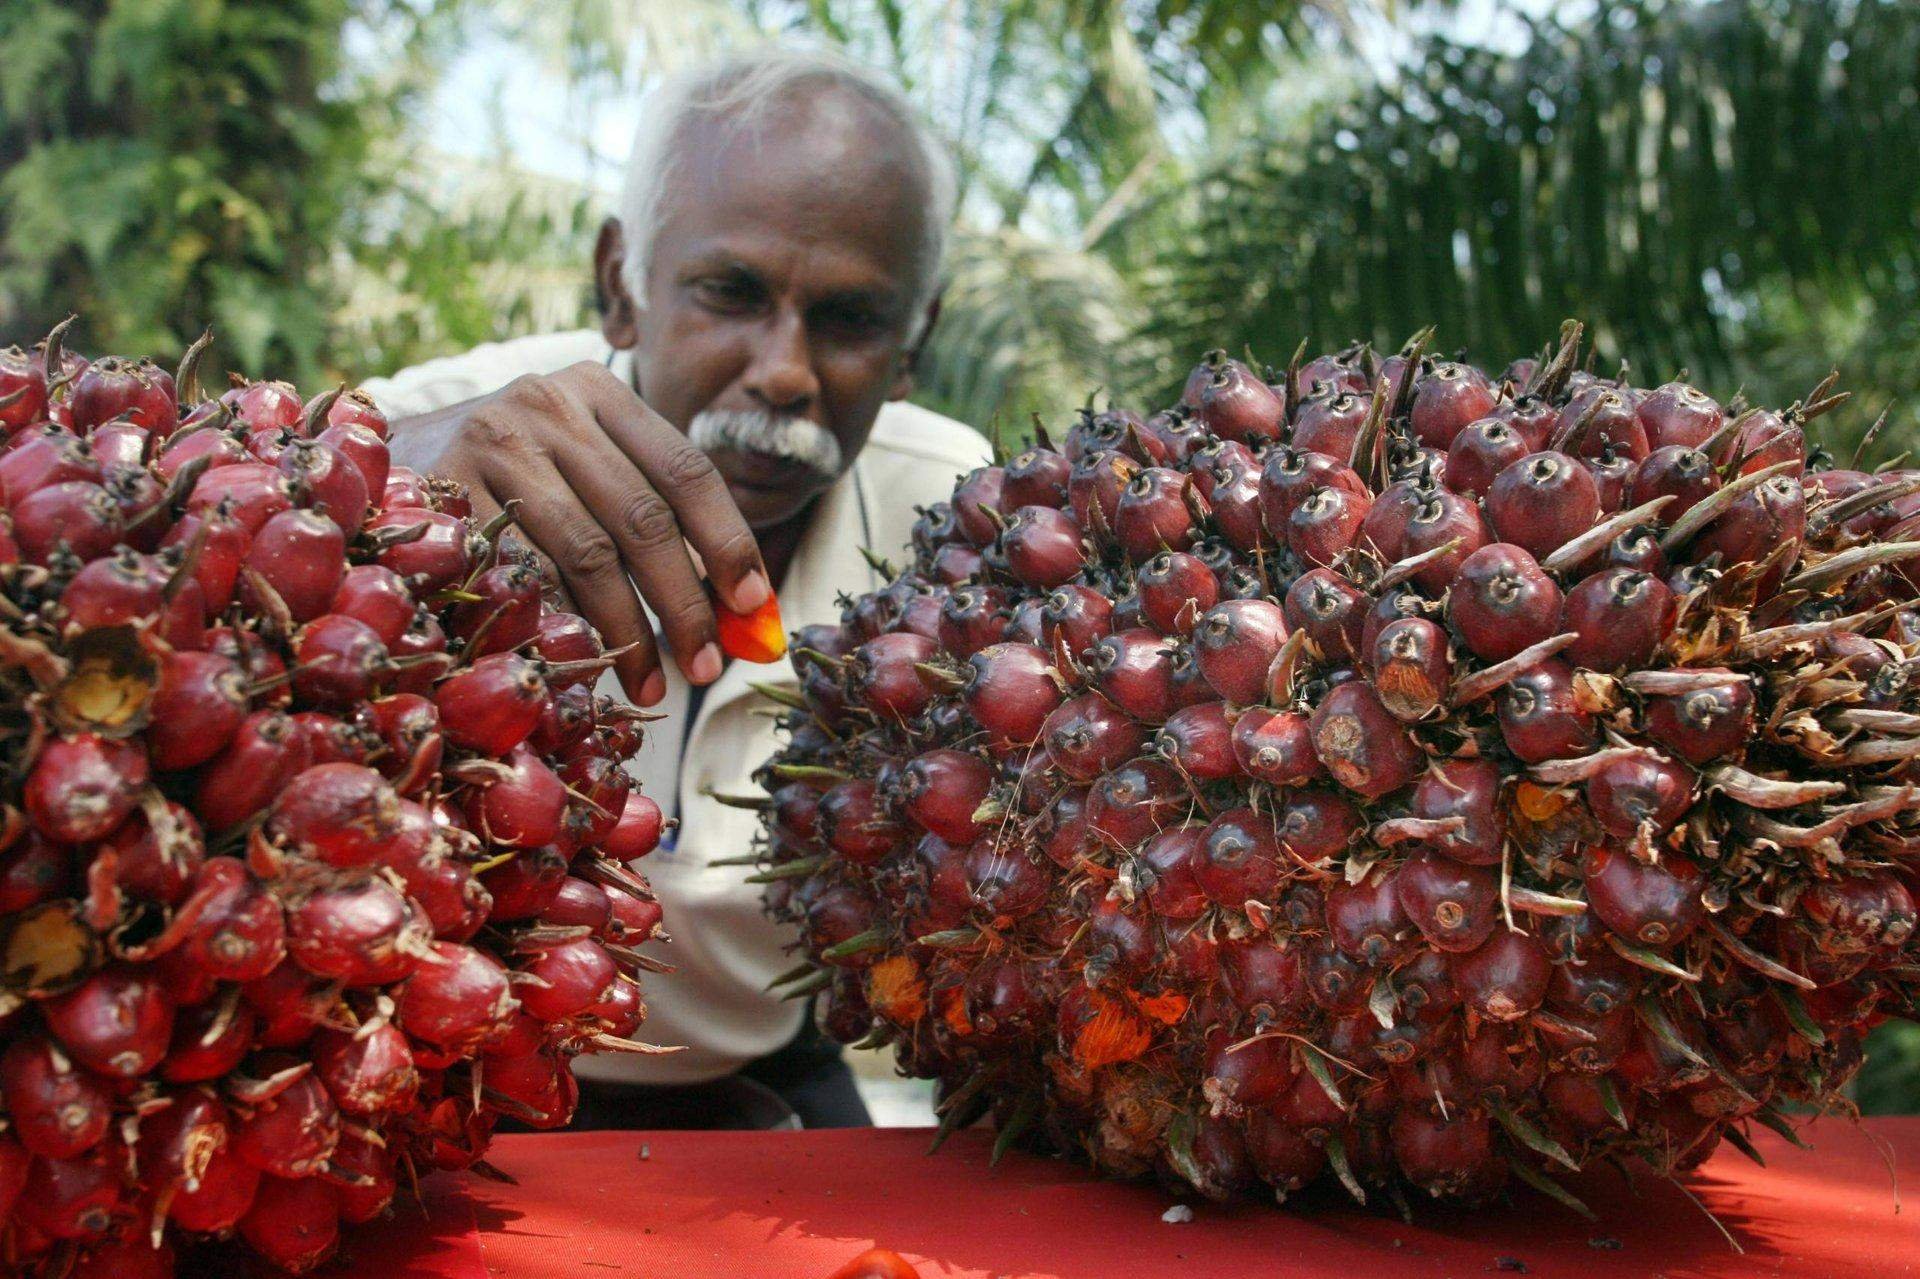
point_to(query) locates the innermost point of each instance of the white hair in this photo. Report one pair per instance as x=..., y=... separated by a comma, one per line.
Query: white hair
x=743, y=88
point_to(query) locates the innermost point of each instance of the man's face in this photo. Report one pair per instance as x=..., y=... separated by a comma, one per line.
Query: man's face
x=779, y=302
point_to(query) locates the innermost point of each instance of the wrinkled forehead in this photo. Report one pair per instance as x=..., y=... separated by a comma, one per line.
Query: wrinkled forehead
x=819, y=171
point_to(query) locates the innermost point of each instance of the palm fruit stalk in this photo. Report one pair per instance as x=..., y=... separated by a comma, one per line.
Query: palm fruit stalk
x=1379, y=772
x=313, y=835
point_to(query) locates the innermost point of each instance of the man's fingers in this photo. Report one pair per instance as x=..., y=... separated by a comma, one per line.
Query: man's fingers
x=592, y=572
x=698, y=496
x=649, y=537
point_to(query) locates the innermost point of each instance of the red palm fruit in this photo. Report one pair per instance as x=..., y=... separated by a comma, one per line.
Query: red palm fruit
x=265, y=406
x=1167, y=867
x=1759, y=522
x=1454, y=905
x=293, y=1222
x=32, y=870
x=507, y=614
x=1330, y=609
x=220, y=447
x=1540, y=717
x=440, y=558
x=1076, y=616
x=1446, y=400
x=1446, y=1156
x=526, y=885
x=1366, y=921
x=1335, y=981
x=226, y=1189
x=1275, y=747
x=1468, y=789
x=377, y=597
x=1240, y=859
x=324, y=479
x=302, y=557
x=940, y=789
x=579, y=904
x=1244, y=1075
x=74, y=1198
x=223, y=545
x=1315, y=824
x=1411, y=667
x=1542, y=502
x=1234, y=498
x=35, y=462
x=209, y=1039
x=81, y=787
x=1639, y=789
x=239, y=934
x=251, y=492
x=366, y=1072
x=339, y=660
x=1154, y=514
x=976, y=500
x=1041, y=546
x=1870, y=911
x=1361, y=744
x=366, y=452
x=1088, y=735
x=1596, y=984
x=1678, y=414
x=1010, y=690
x=523, y=809
x=1442, y=519
x=576, y=975
x=637, y=833
x=362, y=935
x=599, y=787
x=1288, y=475
x=81, y=517
x=1612, y=471
x=1621, y=617
x=293, y=1133
x=856, y=824
x=1325, y=523
x=1094, y=487
x=884, y=674
x=1175, y=587
x=1480, y=452
x=116, y=1023
x=129, y=588
x=198, y=704
x=139, y=496
x=1281, y=1153
x=1329, y=424
x=1133, y=801
x=371, y=1192
x=354, y=407
x=1236, y=405
x=561, y=638
x=58, y=1110
x=1505, y=978
x=423, y=639
x=1235, y=643
x=1637, y=548
x=1134, y=669
x=23, y=390
x=492, y=705
x=1502, y=602
x=972, y=617
x=405, y=491
x=1654, y=905
x=1765, y=439
x=342, y=814
x=1343, y=370
x=1198, y=741
x=1036, y=477
x=157, y=864
x=458, y=1003
x=1531, y=416
x=1596, y=419
x=1686, y=475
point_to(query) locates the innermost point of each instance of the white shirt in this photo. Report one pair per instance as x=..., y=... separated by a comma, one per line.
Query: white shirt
x=726, y=950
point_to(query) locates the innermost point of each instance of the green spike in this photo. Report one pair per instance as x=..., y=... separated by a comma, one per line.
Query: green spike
x=1024, y=1112
x=1550, y=1188
x=1649, y=960
x=794, y=973
x=787, y=870
x=1611, y=1100
x=809, y=774
x=858, y=944
x=1780, y=1124
x=747, y=859
x=1531, y=1137
x=752, y=803
x=778, y=693
x=809, y=985
x=959, y=1099
x=1796, y=1010
x=1738, y=1140
x=1337, y=1156
x=949, y=938
x=1317, y=1067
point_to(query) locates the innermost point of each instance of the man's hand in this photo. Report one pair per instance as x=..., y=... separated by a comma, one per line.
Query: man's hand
x=608, y=491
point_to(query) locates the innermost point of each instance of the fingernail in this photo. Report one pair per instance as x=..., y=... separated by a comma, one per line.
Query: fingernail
x=653, y=690
x=752, y=592
x=705, y=666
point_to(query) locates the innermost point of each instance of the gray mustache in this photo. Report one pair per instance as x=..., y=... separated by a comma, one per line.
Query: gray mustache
x=791, y=439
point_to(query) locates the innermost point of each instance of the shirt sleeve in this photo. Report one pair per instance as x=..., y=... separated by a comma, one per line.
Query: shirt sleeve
x=486, y=368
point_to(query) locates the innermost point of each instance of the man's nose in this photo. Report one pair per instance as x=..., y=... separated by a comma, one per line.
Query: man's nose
x=782, y=379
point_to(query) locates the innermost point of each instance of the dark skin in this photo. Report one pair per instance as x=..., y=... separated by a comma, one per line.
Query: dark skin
x=782, y=278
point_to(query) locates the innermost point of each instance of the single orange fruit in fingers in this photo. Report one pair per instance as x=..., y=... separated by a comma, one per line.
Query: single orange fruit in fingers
x=758, y=636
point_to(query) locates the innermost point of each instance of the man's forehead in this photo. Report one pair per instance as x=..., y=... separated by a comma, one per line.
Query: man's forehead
x=829, y=168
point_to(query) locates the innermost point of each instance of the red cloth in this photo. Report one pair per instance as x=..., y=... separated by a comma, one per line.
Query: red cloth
x=798, y=1205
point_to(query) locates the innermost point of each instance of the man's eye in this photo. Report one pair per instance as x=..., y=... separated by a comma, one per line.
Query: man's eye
x=852, y=318
x=728, y=292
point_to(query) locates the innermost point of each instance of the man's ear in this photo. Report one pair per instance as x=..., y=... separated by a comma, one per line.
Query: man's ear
x=619, y=317
x=903, y=380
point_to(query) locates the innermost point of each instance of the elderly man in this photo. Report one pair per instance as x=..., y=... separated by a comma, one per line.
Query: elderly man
x=738, y=417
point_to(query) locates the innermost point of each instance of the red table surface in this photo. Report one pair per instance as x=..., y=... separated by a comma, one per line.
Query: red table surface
x=680, y=1205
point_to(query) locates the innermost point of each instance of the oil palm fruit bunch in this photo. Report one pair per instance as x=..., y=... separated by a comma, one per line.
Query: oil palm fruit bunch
x=1379, y=771
x=313, y=836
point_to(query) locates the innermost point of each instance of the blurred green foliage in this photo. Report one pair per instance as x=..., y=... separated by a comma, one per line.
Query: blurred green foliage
x=1724, y=186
